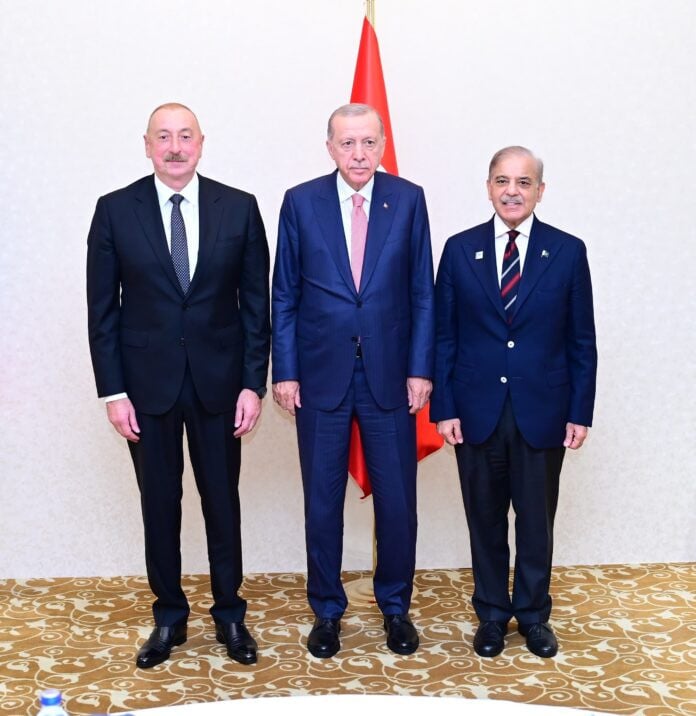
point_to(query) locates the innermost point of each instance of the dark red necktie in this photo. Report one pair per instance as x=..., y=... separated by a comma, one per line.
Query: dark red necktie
x=511, y=274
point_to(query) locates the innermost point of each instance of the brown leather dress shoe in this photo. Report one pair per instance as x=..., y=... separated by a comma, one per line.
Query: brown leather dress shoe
x=402, y=637
x=159, y=645
x=241, y=646
x=540, y=639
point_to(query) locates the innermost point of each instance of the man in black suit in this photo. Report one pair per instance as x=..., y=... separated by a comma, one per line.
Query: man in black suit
x=179, y=332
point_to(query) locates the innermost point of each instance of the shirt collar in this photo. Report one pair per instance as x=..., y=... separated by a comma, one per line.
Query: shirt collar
x=189, y=192
x=345, y=191
x=501, y=229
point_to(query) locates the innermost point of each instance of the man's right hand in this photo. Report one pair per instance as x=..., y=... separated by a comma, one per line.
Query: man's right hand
x=287, y=394
x=121, y=414
x=451, y=431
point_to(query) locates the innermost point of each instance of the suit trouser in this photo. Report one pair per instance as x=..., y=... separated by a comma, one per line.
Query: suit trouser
x=159, y=461
x=389, y=444
x=505, y=469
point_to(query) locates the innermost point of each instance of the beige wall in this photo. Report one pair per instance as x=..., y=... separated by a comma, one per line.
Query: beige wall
x=604, y=92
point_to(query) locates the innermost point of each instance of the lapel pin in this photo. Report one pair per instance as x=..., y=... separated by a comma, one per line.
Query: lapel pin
x=385, y=205
x=479, y=255
x=544, y=254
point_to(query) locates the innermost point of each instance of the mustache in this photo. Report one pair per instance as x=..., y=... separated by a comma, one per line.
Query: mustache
x=174, y=157
x=511, y=200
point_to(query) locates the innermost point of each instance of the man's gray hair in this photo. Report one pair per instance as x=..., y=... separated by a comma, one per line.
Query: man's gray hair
x=355, y=109
x=507, y=151
x=170, y=105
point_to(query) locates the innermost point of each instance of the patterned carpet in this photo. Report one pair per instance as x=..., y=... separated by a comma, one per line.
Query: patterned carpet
x=627, y=644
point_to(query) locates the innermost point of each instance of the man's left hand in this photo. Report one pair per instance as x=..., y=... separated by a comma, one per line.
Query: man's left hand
x=575, y=436
x=419, y=390
x=247, y=412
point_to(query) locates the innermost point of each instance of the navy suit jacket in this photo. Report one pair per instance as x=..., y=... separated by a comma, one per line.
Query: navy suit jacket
x=143, y=329
x=546, y=357
x=317, y=313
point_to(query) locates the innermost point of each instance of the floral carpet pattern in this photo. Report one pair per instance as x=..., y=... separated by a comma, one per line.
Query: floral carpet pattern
x=627, y=637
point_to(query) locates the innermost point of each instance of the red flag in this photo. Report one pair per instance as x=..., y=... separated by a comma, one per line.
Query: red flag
x=368, y=88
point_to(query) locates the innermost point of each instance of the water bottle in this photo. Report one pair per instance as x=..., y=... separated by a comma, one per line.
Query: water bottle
x=50, y=700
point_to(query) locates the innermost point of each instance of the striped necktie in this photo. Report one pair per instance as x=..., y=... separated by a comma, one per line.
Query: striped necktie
x=510, y=277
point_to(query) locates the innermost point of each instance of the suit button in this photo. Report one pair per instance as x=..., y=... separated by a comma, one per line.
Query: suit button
x=186, y=307
x=182, y=341
x=359, y=304
x=511, y=344
x=503, y=379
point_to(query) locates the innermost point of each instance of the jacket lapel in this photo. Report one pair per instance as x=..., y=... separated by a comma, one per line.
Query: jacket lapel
x=209, y=219
x=149, y=216
x=382, y=212
x=328, y=213
x=542, y=250
x=480, y=254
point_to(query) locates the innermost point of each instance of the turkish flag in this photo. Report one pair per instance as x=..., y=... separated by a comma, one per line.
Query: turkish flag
x=368, y=88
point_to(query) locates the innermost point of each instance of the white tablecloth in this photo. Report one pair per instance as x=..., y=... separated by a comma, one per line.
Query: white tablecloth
x=356, y=705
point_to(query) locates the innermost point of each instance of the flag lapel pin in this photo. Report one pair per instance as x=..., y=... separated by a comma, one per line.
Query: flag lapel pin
x=479, y=255
x=544, y=254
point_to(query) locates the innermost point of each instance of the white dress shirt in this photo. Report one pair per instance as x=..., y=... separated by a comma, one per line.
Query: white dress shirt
x=189, y=211
x=345, y=192
x=501, y=229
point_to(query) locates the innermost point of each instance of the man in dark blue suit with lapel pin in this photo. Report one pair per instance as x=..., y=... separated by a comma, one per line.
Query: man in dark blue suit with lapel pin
x=353, y=336
x=516, y=361
x=179, y=332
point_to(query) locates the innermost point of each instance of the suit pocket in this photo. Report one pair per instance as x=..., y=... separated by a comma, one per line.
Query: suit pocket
x=228, y=336
x=137, y=339
x=463, y=374
x=551, y=293
x=228, y=240
x=557, y=377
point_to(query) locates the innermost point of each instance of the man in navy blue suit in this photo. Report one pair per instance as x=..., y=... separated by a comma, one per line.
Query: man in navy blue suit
x=179, y=332
x=516, y=361
x=353, y=336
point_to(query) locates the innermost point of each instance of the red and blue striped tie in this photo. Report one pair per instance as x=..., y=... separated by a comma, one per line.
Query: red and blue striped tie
x=511, y=274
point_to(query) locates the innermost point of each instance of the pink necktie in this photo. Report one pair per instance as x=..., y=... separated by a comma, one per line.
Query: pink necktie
x=358, y=237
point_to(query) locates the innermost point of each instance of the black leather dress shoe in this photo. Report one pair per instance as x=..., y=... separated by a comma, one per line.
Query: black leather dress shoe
x=241, y=646
x=402, y=637
x=323, y=641
x=159, y=645
x=489, y=639
x=540, y=639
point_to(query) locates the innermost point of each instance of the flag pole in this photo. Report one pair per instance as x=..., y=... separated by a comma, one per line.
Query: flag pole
x=360, y=591
x=370, y=11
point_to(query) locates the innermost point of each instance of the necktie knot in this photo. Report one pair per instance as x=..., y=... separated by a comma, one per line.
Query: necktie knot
x=513, y=234
x=358, y=200
x=176, y=199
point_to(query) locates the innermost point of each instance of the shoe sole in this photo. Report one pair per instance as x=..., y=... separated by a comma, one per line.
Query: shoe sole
x=323, y=654
x=401, y=651
x=489, y=655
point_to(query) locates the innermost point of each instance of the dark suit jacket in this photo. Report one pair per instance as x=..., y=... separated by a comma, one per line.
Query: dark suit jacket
x=318, y=315
x=547, y=356
x=143, y=329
